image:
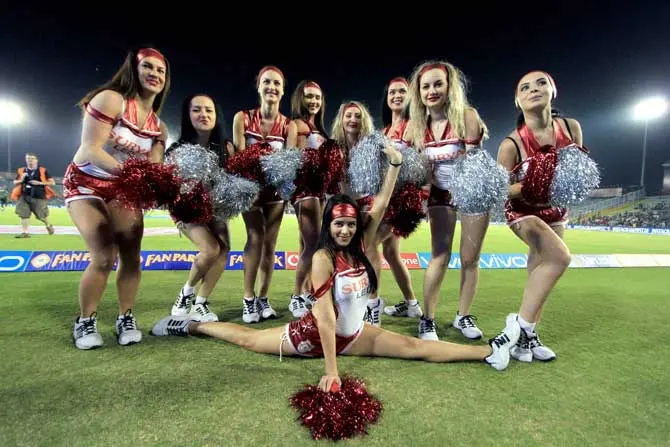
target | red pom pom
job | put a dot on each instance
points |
(142, 184)
(309, 179)
(405, 210)
(247, 163)
(332, 162)
(337, 415)
(539, 174)
(193, 206)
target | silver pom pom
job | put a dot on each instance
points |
(479, 184)
(366, 161)
(194, 162)
(414, 167)
(280, 169)
(576, 176)
(232, 195)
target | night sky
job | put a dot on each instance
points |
(603, 60)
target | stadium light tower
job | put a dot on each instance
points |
(10, 115)
(647, 110)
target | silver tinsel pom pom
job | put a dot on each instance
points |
(194, 162)
(232, 195)
(576, 176)
(280, 169)
(479, 184)
(414, 167)
(366, 161)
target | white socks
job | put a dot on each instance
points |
(188, 290)
(526, 326)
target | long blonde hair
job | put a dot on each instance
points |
(337, 130)
(457, 103)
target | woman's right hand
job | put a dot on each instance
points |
(327, 381)
(393, 154)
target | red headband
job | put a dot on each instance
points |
(312, 84)
(554, 92)
(398, 79)
(150, 52)
(429, 67)
(269, 68)
(349, 106)
(343, 210)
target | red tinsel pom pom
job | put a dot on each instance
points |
(337, 415)
(332, 163)
(310, 177)
(247, 163)
(539, 174)
(193, 206)
(405, 210)
(142, 184)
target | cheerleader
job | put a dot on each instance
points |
(344, 277)
(444, 127)
(541, 227)
(308, 106)
(120, 120)
(264, 124)
(202, 124)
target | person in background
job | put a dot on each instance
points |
(31, 193)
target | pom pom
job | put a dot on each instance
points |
(332, 162)
(312, 177)
(144, 185)
(539, 174)
(337, 415)
(194, 162)
(193, 204)
(414, 167)
(280, 169)
(405, 210)
(479, 183)
(232, 195)
(575, 177)
(366, 161)
(247, 163)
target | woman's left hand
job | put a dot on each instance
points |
(393, 154)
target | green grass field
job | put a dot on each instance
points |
(609, 385)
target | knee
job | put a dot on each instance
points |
(209, 254)
(255, 237)
(441, 259)
(390, 252)
(104, 261)
(563, 259)
(469, 263)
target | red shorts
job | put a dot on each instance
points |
(78, 185)
(518, 210)
(303, 337)
(439, 197)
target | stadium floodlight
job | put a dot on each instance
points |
(647, 110)
(10, 115)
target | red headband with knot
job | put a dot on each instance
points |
(269, 68)
(429, 67)
(398, 79)
(554, 90)
(343, 210)
(312, 84)
(150, 52)
(349, 106)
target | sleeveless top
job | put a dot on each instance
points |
(396, 135)
(314, 138)
(253, 134)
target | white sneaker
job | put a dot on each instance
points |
(467, 326)
(427, 329)
(521, 351)
(171, 326)
(126, 329)
(264, 309)
(308, 300)
(85, 333)
(250, 311)
(297, 306)
(200, 312)
(403, 309)
(182, 305)
(373, 315)
(503, 342)
(540, 351)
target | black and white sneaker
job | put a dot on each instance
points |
(540, 351)
(467, 326)
(402, 309)
(182, 305)
(373, 314)
(85, 332)
(250, 311)
(427, 329)
(521, 350)
(126, 329)
(200, 312)
(297, 306)
(503, 342)
(172, 325)
(264, 309)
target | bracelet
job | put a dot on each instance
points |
(395, 164)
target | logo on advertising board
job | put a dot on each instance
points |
(168, 260)
(292, 258)
(14, 261)
(236, 260)
(59, 261)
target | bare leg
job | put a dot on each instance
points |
(264, 341)
(255, 223)
(25, 225)
(209, 251)
(214, 273)
(473, 230)
(391, 249)
(309, 220)
(442, 226)
(274, 213)
(128, 230)
(92, 219)
(559, 230)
